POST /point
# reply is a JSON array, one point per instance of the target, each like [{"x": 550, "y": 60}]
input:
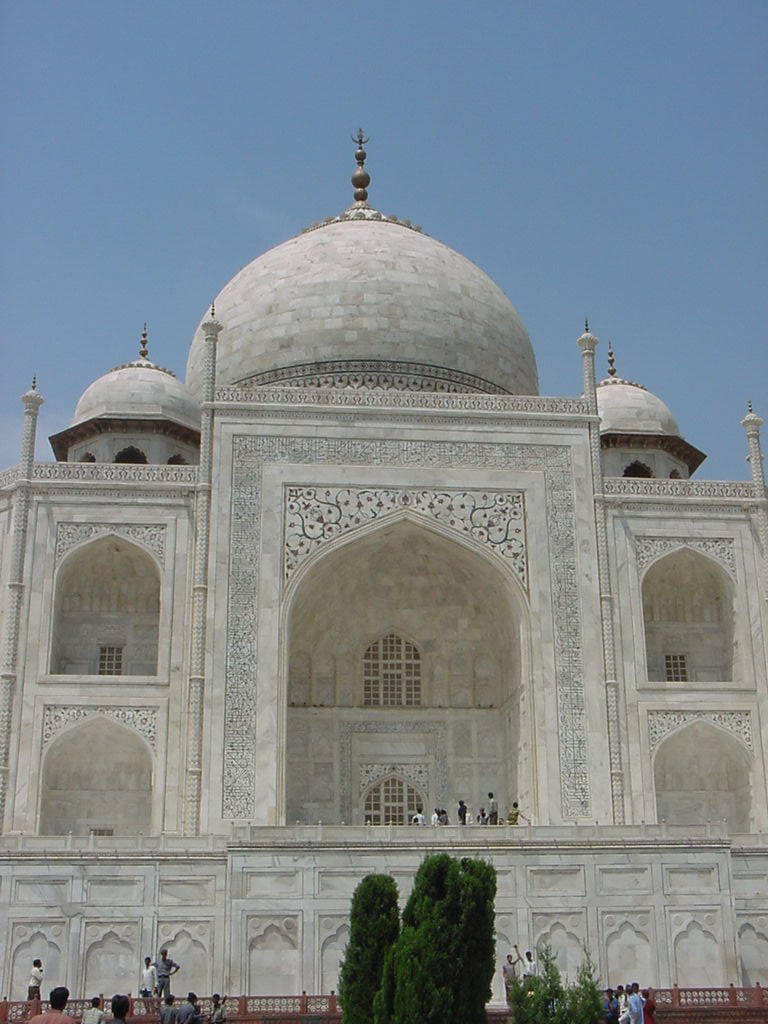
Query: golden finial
[
  {"x": 34, "y": 387},
  {"x": 213, "y": 310},
  {"x": 361, "y": 179},
  {"x": 611, "y": 361},
  {"x": 586, "y": 325},
  {"x": 144, "y": 350}
]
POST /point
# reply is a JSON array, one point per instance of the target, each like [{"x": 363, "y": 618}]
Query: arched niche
[
  {"x": 392, "y": 801},
  {"x": 97, "y": 776},
  {"x": 701, "y": 774},
  {"x": 106, "y": 611},
  {"x": 689, "y": 619},
  {"x": 463, "y": 614}
]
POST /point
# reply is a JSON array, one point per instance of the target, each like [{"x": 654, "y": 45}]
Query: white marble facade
[{"x": 386, "y": 583}]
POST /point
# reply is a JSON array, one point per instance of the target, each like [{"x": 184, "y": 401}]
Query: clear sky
[{"x": 606, "y": 159}]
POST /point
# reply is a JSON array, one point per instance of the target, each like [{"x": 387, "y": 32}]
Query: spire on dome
[
  {"x": 34, "y": 388},
  {"x": 586, "y": 325},
  {"x": 144, "y": 349},
  {"x": 611, "y": 361},
  {"x": 361, "y": 179}
]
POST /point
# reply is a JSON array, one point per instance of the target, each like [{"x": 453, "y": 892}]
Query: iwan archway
[{"x": 407, "y": 661}]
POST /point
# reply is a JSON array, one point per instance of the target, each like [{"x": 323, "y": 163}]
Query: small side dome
[
  {"x": 138, "y": 390},
  {"x": 627, "y": 407},
  {"x": 639, "y": 436},
  {"x": 138, "y": 412}
]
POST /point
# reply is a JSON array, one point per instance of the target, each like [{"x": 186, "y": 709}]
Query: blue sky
[{"x": 606, "y": 159}]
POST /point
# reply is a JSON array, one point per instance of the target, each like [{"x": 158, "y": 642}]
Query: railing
[
  {"x": 303, "y": 1009},
  {"x": 713, "y": 1005},
  {"x": 673, "y": 1006}
]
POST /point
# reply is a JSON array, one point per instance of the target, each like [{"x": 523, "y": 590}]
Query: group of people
[
  {"x": 463, "y": 813},
  {"x": 508, "y": 969},
  {"x": 188, "y": 1012},
  {"x": 628, "y": 1005},
  {"x": 624, "y": 1005},
  {"x": 155, "y": 982}
]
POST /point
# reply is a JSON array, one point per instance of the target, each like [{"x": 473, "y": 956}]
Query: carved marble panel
[
  {"x": 722, "y": 549},
  {"x": 250, "y": 453},
  {"x": 314, "y": 515},
  {"x": 150, "y": 536},
  {"x": 661, "y": 723},
  {"x": 418, "y": 774},
  {"x": 57, "y": 716}
]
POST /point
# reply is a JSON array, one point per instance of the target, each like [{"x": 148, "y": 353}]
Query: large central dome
[{"x": 363, "y": 300}]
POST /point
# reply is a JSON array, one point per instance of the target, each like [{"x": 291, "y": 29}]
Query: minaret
[
  {"x": 196, "y": 682},
  {"x": 9, "y": 672},
  {"x": 752, "y": 424},
  {"x": 588, "y": 343}
]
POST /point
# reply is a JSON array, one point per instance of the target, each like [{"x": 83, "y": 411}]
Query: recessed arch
[
  {"x": 702, "y": 773},
  {"x": 465, "y": 612},
  {"x": 132, "y": 455},
  {"x": 392, "y": 800},
  {"x": 97, "y": 775},
  {"x": 638, "y": 469},
  {"x": 688, "y": 613},
  {"x": 106, "y": 612}
]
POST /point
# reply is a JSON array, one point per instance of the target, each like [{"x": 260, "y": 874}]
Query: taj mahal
[{"x": 353, "y": 565}]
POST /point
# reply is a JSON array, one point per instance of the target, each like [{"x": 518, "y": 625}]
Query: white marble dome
[
  {"x": 139, "y": 390},
  {"x": 629, "y": 408},
  {"x": 362, "y": 291}
]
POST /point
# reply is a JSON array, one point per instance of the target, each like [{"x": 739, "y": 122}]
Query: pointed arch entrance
[
  {"x": 702, "y": 774},
  {"x": 97, "y": 777},
  {"x": 689, "y": 619},
  {"x": 406, "y": 659}
]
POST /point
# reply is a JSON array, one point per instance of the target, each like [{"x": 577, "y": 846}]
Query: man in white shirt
[
  {"x": 94, "y": 1014},
  {"x": 148, "y": 985},
  {"x": 418, "y": 818},
  {"x": 35, "y": 980}
]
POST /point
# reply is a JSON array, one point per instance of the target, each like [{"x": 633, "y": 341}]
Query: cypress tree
[
  {"x": 374, "y": 927},
  {"x": 440, "y": 969}
]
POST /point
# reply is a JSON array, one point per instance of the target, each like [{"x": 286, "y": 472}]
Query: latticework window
[
  {"x": 676, "y": 668},
  {"x": 110, "y": 661},
  {"x": 392, "y": 672},
  {"x": 391, "y": 802}
]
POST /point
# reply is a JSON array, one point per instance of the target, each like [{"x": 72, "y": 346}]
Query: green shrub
[{"x": 544, "y": 999}]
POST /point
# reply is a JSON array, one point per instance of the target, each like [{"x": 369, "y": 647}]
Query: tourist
[
  {"x": 611, "y": 1007},
  {"x": 436, "y": 816},
  {"x": 482, "y": 818},
  {"x": 120, "y": 1005},
  {"x": 622, "y": 998},
  {"x": 58, "y": 1000},
  {"x": 165, "y": 967},
  {"x": 168, "y": 1012},
  {"x": 528, "y": 962},
  {"x": 218, "y": 1013},
  {"x": 508, "y": 974},
  {"x": 514, "y": 814},
  {"x": 462, "y": 812},
  {"x": 94, "y": 1014},
  {"x": 493, "y": 810},
  {"x": 635, "y": 1004},
  {"x": 35, "y": 980},
  {"x": 444, "y": 817},
  {"x": 189, "y": 1011},
  {"x": 148, "y": 985},
  {"x": 418, "y": 818},
  {"x": 649, "y": 1007}
]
